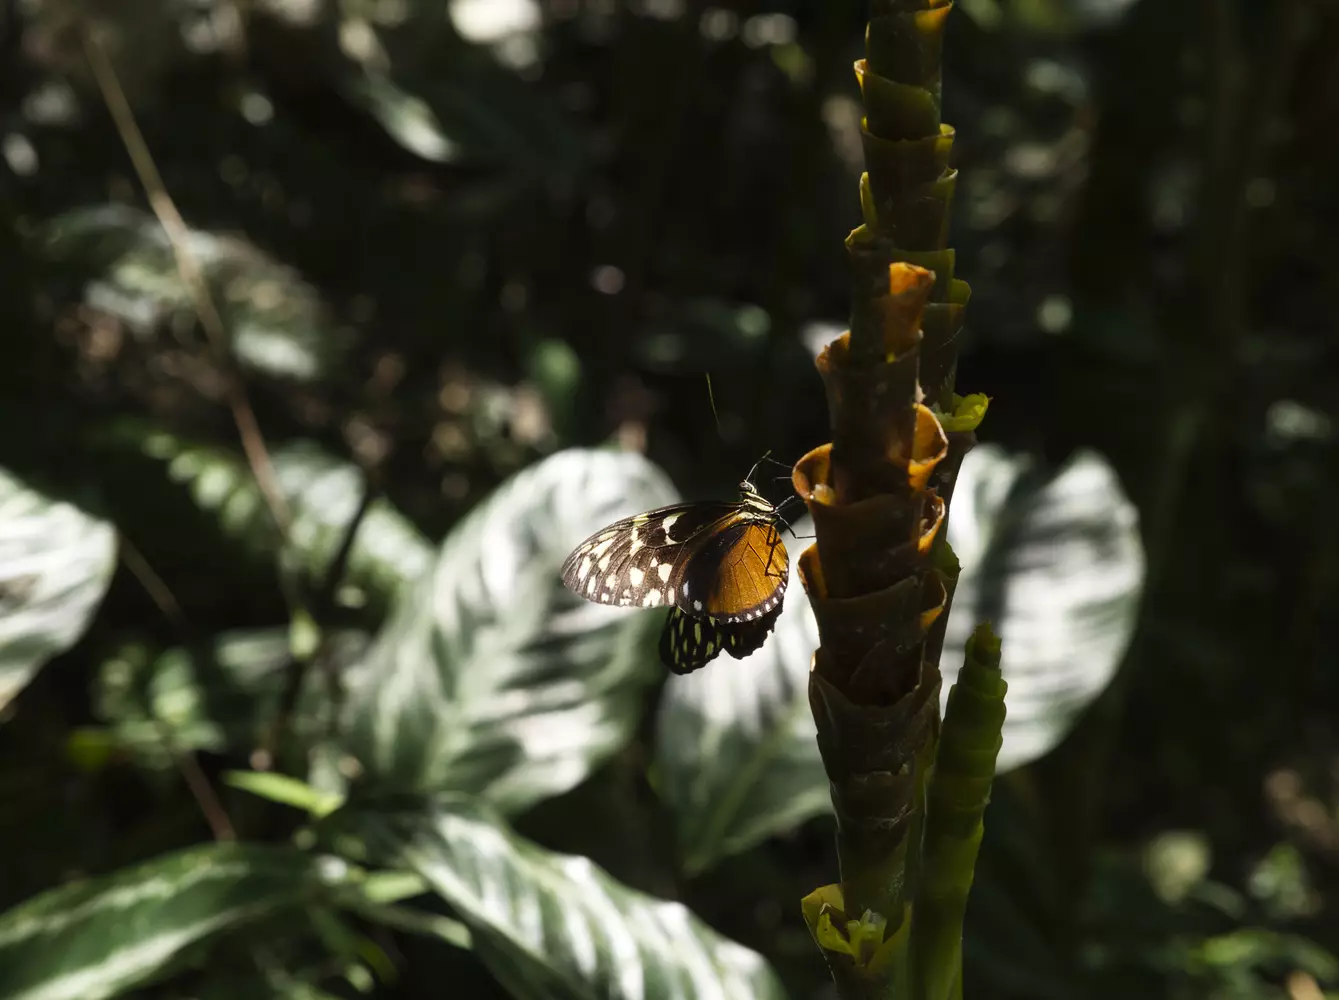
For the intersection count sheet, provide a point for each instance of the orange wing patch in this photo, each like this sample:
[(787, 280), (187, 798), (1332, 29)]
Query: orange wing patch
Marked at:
[(750, 578)]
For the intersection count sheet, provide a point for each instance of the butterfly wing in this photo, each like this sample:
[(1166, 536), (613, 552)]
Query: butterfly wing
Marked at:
[(687, 643), (639, 561), (738, 574)]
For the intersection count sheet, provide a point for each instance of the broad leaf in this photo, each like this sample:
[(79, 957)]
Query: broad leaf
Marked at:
[(556, 926), (55, 564), (101, 937), (736, 755), (491, 677), (126, 268), (1055, 561), (324, 494), (220, 696)]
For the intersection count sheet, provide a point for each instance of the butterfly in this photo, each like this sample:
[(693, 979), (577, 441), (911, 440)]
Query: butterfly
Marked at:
[(721, 567)]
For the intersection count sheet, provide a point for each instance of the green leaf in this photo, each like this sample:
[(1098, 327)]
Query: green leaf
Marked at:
[(220, 696), (1057, 564), (465, 109), (285, 790), (56, 562), (406, 118), (276, 322), (103, 936), (324, 494), (491, 677), (735, 752), (553, 925), (1055, 559)]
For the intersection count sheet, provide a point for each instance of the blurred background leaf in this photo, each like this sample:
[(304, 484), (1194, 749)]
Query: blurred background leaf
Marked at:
[(55, 564), (122, 263), (220, 696)]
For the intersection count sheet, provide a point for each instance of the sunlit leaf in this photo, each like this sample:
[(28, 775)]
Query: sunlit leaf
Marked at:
[(1054, 560), (55, 564), (735, 751), (324, 494), (557, 926), (491, 677), (103, 936), (126, 268)]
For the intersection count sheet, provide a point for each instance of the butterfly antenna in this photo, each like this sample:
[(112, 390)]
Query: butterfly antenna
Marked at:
[(749, 477), (711, 398)]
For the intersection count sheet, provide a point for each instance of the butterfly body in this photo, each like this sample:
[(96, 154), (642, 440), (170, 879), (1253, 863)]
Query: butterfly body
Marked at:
[(721, 567)]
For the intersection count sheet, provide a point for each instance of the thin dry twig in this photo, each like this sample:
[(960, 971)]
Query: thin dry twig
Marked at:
[(211, 806), (153, 584), (178, 235)]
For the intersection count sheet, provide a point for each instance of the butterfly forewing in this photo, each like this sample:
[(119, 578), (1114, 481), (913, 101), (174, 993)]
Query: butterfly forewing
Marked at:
[(639, 561), (687, 643)]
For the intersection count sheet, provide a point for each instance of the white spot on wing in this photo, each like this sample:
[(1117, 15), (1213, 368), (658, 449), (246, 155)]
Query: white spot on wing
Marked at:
[(664, 569), (697, 605), (636, 575), (604, 563), (669, 523), (652, 599)]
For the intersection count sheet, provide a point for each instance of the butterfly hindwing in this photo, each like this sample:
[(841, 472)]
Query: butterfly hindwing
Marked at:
[(687, 643)]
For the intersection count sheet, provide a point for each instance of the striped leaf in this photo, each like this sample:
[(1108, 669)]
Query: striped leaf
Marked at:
[(1055, 559), (323, 492), (55, 564), (103, 936), (557, 926), (220, 696), (491, 677)]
